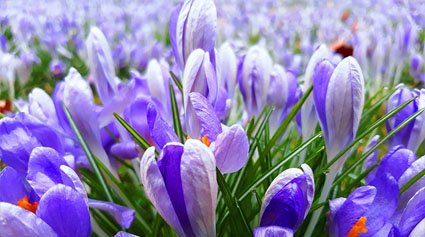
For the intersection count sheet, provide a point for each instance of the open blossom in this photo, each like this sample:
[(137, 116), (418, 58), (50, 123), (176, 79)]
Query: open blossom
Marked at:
[(182, 186)]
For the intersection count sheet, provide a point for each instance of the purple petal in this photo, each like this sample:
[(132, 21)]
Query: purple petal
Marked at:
[(344, 105), (41, 106), (160, 131), (66, 211), (385, 203), (101, 65), (321, 76), (16, 221), (334, 206), (395, 162), (273, 231), (123, 215), (205, 112), (173, 32), (78, 98), (231, 149), (125, 150), (124, 234), (169, 163), (156, 191), (412, 171), (199, 186), (413, 214), (71, 179), (12, 188), (353, 209), (228, 68), (44, 169)]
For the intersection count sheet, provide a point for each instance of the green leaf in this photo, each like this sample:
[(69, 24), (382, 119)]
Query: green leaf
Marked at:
[(364, 134), (88, 153), (380, 142), (412, 181), (134, 134), (176, 116), (241, 225), (177, 81)]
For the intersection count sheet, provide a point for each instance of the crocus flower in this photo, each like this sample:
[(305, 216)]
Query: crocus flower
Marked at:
[(199, 76), (57, 68), (413, 133), (339, 99), (227, 64), (254, 78), (286, 202), (308, 114), (182, 186), (282, 92), (377, 209), (229, 145), (78, 98), (193, 26)]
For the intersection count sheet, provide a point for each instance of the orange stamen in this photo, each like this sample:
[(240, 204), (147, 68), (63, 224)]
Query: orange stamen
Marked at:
[(204, 140), (25, 204), (358, 227)]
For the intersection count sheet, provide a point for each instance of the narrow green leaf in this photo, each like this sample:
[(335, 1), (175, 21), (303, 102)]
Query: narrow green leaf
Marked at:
[(316, 206), (412, 181), (287, 120), (380, 142), (136, 136), (242, 227), (177, 81), (88, 153), (362, 176), (364, 134), (176, 116)]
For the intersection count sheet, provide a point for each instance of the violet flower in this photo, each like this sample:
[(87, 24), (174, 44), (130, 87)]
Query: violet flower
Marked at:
[(182, 186), (254, 71), (339, 99), (286, 202), (413, 134), (193, 26)]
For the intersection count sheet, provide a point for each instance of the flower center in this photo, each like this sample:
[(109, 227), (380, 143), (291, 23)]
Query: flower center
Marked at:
[(204, 140), (25, 204), (358, 227)]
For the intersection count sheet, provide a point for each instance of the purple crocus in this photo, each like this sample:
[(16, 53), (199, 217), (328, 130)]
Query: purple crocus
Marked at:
[(254, 71), (338, 98), (377, 209), (286, 202), (229, 145), (182, 186), (308, 114), (57, 68), (413, 134), (199, 76), (227, 64), (282, 92), (193, 26)]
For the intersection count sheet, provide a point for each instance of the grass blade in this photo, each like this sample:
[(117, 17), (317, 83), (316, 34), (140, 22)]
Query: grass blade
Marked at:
[(242, 226), (136, 136), (177, 81), (89, 154), (412, 181), (176, 116)]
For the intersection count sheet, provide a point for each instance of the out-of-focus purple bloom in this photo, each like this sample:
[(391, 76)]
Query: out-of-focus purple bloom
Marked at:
[(228, 66), (282, 92), (254, 71), (182, 186), (413, 134), (193, 26), (57, 68), (101, 64), (416, 63), (199, 76), (286, 202), (78, 98), (308, 114)]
